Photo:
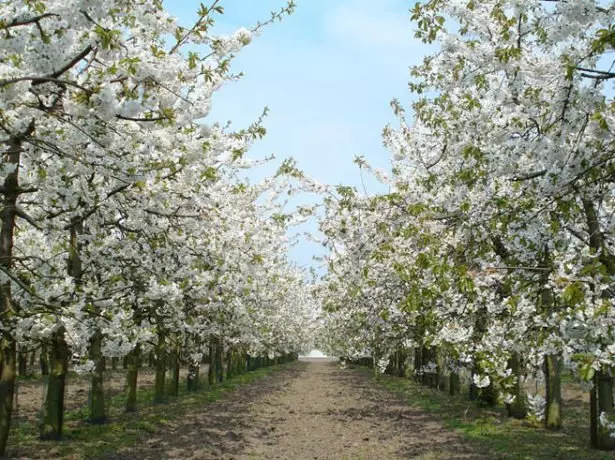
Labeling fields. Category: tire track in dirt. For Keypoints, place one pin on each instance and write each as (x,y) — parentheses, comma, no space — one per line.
(309,410)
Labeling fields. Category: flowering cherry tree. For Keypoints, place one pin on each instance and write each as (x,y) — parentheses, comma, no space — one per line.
(493,251)
(126,227)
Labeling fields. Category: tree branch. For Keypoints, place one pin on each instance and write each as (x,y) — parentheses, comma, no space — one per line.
(528,176)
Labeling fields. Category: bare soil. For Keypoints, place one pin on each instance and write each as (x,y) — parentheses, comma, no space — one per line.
(310,410)
(30,394)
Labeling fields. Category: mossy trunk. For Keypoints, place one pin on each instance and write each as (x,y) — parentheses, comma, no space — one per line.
(132,374)
(429,358)
(237,360)
(602,395)
(218,361)
(8,373)
(454,383)
(418,364)
(8,346)
(603,381)
(53,406)
(114,363)
(97,390)
(553,384)
(22,364)
(553,380)
(241,363)
(194,370)
(44,360)
(229,364)
(401,363)
(518,408)
(174,384)
(161,370)
(594,423)
(211,371)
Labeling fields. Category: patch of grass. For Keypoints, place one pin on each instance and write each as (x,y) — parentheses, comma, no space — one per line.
(84,440)
(493,431)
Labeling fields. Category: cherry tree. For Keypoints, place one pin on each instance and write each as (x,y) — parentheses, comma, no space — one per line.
(125,225)
(499,218)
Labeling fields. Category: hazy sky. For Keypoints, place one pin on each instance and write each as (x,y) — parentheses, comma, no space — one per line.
(327,74)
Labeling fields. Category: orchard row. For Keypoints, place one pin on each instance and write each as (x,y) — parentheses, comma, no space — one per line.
(127,228)
(493,254)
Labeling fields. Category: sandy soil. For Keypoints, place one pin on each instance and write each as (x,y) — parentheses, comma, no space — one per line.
(310,410)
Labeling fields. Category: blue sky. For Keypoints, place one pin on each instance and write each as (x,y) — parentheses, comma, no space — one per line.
(327,74)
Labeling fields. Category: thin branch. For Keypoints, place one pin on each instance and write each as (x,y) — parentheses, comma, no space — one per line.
(53,77)
(122,117)
(21,213)
(596,74)
(27,21)
(528,176)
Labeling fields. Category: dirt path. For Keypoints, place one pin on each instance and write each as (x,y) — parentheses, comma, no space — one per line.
(310,410)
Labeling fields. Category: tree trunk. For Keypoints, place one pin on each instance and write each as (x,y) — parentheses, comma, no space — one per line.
(553,383)
(602,394)
(594,423)
(32,362)
(553,379)
(218,360)
(401,363)
(174,384)
(22,364)
(518,408)
(211,372)
(44,360)
(229,364)
(604,391)
(97,391)
(454,384)
(53,407)
(193,376)
(161,370)
(8,347)
(418,364)
(132,362)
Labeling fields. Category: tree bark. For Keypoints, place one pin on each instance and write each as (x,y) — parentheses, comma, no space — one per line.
(8,346)
(211,372)
(518,408)
(22,364)
(161,370)
(53,407)
(454,384)
(44,359)
(603,380)
(229,363)
(193,376)
(97,391)
(604,390)
(132,362)
(594,424)
(174,365)
(218,359)
(553,383)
